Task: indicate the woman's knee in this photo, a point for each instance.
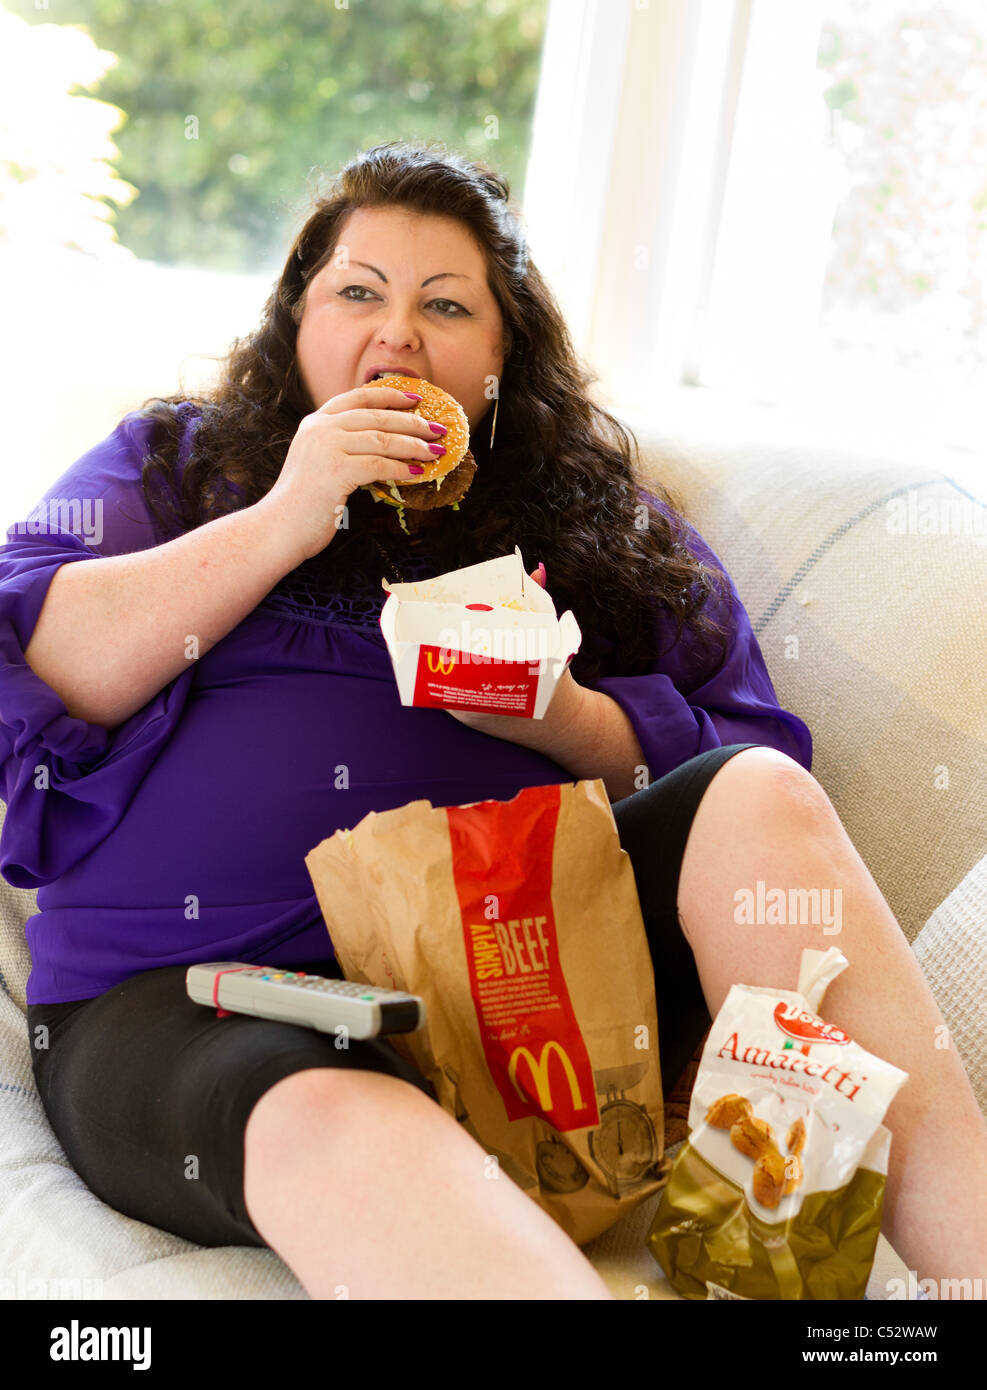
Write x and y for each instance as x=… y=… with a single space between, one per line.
x=759 y=793
x=319 y=1102
x=765 y=783
x=319 y=1132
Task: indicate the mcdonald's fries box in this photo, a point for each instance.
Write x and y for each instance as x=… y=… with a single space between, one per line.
x=484 y=638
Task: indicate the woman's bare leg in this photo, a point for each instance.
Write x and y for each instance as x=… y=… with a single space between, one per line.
x=369 y=1190
x=764 y=817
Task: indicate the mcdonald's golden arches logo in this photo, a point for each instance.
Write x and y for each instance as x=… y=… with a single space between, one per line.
x=435 y=664
x=539 y=1072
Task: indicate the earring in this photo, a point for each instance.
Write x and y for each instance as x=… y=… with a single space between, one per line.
x=493 y=423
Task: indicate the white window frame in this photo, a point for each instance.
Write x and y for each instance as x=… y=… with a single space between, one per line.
x=648 y=142
x=630 y=143
x=574 y=135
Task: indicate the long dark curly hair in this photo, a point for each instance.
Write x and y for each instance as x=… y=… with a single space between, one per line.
x=560 y=481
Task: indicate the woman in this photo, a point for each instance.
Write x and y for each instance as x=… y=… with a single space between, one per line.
x=187 y=719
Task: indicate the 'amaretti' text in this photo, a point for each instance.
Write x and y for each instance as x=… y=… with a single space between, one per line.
x=787 y=1061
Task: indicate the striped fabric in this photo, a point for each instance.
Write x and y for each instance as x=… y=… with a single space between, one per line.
x=952 y=951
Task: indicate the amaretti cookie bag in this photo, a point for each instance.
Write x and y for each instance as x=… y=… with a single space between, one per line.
x=777 y=1193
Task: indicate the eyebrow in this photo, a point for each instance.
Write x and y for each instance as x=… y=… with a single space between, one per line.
x=443 y=275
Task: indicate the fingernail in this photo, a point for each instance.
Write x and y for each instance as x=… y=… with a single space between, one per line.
x=437 y=449
x=412 y=397
x=541 y=574
x=436 y=428
x=416 y=467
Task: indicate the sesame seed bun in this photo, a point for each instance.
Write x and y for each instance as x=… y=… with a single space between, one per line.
x=455 y=467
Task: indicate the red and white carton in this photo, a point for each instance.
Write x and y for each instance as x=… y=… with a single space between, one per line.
x=484 y=638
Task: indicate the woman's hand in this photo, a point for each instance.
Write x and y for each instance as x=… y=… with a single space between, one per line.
x=567 y=705
x=366 y=435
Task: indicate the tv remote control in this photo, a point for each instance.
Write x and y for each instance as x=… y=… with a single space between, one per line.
x=314 y=1001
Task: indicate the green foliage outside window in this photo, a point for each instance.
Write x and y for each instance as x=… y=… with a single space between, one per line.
x=234 y=111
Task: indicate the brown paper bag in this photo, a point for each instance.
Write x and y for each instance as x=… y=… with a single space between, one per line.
x=518 y=923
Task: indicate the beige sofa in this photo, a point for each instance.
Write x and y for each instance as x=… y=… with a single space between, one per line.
x=888 y=673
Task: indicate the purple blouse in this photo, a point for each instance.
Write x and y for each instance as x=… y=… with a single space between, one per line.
x=180 y=835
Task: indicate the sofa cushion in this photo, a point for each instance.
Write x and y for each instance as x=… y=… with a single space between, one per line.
x=873 y=636
x=57 y=1238
x=16 y=906
x=952 y=951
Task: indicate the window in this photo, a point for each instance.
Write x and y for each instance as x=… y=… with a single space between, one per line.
x=774 y=214
x=851 y=262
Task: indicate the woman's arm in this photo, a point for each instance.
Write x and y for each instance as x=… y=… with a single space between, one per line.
x=651 y=723
x=114 y=631
x=600 y=741
x=583 y=730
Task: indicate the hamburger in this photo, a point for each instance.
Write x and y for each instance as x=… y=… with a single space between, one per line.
x=446 y=480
